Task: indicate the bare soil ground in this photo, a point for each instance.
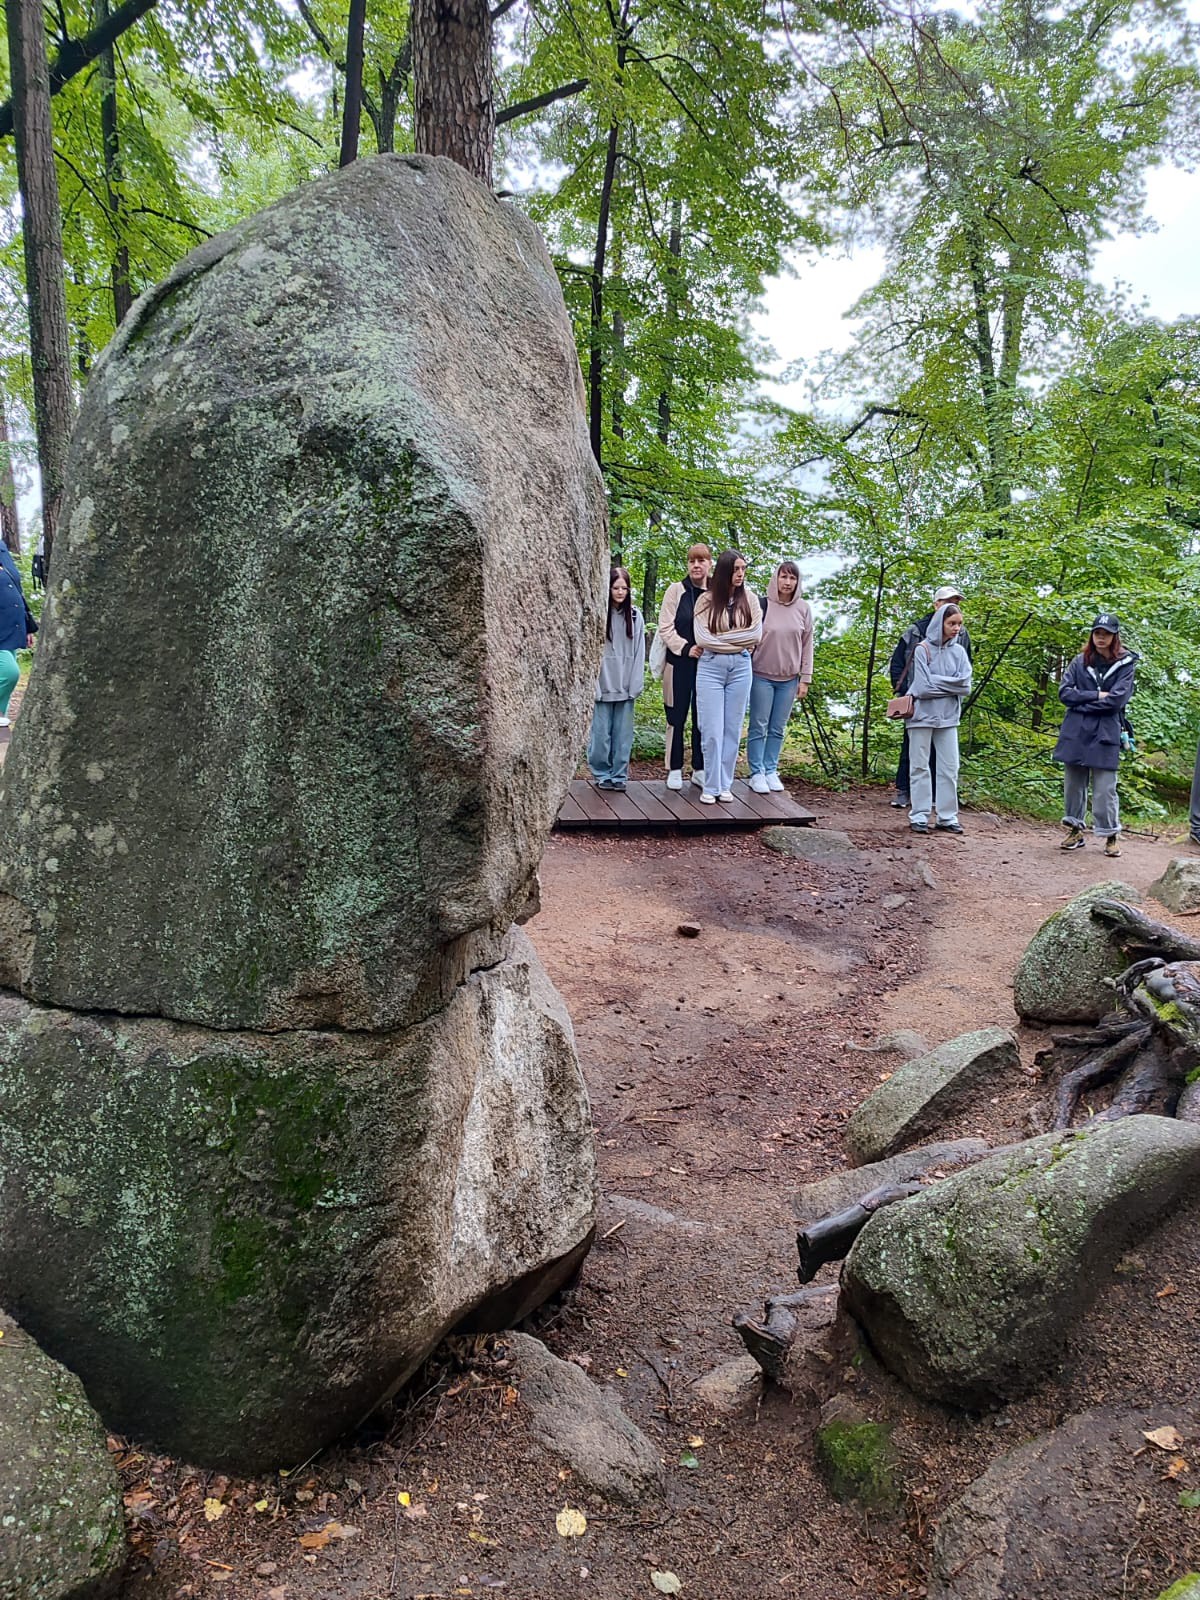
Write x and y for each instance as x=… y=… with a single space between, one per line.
x=720 y=1077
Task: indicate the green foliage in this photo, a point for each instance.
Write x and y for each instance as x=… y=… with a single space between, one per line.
x=858 y=1462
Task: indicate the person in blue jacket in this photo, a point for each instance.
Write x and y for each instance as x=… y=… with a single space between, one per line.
x=1095 y=689
x=17 y=628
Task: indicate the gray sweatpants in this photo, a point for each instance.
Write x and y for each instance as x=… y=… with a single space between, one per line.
x=1106 y=818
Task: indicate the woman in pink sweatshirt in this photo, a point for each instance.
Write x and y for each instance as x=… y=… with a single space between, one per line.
x=782 y=663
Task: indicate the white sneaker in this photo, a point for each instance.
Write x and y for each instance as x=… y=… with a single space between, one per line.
x=698 y=779
x=708 y=799
x=775 y=783
x=758 y=782
x=5 y=723
x=725 y=794
x=675 y=780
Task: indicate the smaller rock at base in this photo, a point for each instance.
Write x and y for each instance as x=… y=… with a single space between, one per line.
x=1179 y=887
x=1061 y=976
x=60 y=1503
x=810 y=844
x=584 y=1425
x=733 y=1387
x=1188 y=1109
x=842 y=1189
x=924 y=1092
x=689 y=930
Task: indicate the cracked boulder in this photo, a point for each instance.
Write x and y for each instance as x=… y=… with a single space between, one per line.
x=282 y=1098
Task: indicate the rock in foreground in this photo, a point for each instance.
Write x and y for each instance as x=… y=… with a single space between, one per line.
x=1054 y=1519
x=1060 y=977
x=62 y=1533
x=243 y=1241
x=1179 y=887
x=320 y=471
x=965 y=1290
x=921 y=1095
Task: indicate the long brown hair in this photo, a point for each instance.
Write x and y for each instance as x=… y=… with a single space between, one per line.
x=626 y=605
x=727 y=607
x=1092 y=651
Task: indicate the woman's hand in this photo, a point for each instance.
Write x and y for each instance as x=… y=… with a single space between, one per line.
x=696 y=651
x=801 y=691
x=29 y=641
x=1101 y=694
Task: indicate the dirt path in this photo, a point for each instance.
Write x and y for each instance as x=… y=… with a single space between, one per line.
x=720 y=1077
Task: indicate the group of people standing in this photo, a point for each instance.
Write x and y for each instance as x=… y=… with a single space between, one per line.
x=932 y=663
x=725 y=652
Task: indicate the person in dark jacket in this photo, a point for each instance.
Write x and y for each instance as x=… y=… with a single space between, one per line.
x=676 y=626
x=900 y=670
x=17 y=628
x=1095 y=689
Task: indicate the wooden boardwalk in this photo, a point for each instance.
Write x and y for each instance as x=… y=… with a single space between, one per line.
x=652 y=805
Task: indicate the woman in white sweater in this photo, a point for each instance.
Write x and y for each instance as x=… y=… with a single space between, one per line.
x=728 y=626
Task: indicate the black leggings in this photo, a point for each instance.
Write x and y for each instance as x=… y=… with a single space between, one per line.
x=683 y=694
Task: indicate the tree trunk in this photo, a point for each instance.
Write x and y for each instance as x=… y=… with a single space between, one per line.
x=352 y=108
x=998 y=489
x=650 y=589
x=389 y=97
x=452 y=82
x=9 y=522
x=54 y=403
x=110 y=132
x=596 y=313
x=865 y=763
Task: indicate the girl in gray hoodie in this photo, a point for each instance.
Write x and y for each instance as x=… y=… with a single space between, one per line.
x=622 y=678
x=939 y=682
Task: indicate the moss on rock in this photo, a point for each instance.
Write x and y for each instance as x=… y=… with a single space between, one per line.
x=858 y=1462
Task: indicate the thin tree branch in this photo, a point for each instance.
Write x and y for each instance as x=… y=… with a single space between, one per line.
x=79 y=53
x=522 y=108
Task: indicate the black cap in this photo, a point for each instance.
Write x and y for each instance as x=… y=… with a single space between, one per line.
x=1108 y=622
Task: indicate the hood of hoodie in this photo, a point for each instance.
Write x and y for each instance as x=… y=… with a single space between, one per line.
x=933 y=633
x=773 y=590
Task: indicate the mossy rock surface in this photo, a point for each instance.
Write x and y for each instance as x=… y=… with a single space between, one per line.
x=243 y=1241
x=62 y=1532
x=323 y=621
x=966 y=1289
x=1061 y=976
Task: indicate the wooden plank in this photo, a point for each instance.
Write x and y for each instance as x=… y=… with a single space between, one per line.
x=571 y=814
x=655 y=812
x=673 y=801
x=594 y=805
x=772 y=807
x=624 y=807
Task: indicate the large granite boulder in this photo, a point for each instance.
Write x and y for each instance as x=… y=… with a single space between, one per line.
x=324 y=620
x=923 y=1094
x=966 y=1290
x=1055 y=1518
x=281 y=1100
x=213 y=1226
x=63 y=1533
x=1060 y=978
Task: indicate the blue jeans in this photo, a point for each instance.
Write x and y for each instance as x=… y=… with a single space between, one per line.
x=770 y=706
x=611 y=742
x=722 y=693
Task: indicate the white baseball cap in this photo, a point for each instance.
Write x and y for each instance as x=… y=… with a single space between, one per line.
x=948 y=591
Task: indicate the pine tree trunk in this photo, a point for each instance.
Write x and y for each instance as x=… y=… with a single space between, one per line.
x=352 y=110
x=452 y=83
x=54 y=403
x=9 y=521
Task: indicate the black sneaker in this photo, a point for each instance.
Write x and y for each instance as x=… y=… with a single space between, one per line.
x=918 y=827
x=948 y=827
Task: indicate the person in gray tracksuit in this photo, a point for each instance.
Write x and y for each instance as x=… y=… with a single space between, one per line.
x=939 y=683
x=622 y=677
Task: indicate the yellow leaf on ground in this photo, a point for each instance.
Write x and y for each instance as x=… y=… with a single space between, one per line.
x=314 y=1541
x=695 y=1440
x=1176 y=1467
x=404 y=1498
x=1166 y=1438
x=261 y=1505
x=666 y=1582
x=214 y=1509
x=621 y=1372
x=480 y=1538
x=570 y=1523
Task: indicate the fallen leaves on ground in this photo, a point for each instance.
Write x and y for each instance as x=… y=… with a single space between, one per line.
x=666 y=1582
x=214 y=1509
x=320 y=1537
x=570 y=1523
x=1165 y=1438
